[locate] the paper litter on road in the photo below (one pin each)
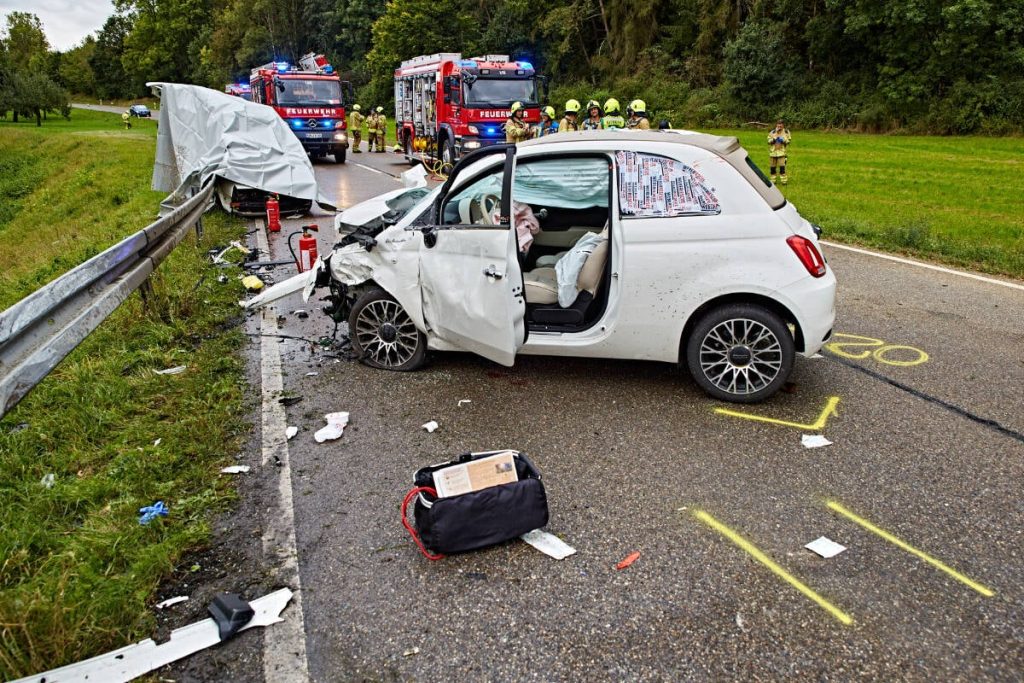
(825, 547)
(335, 427)
(132, 661)
(171, 601)
(235, 469)
(312, 374)
(176, 370)
(431, 426)
(549, 544)
(815, 441)
(464, 400)
(290, 431)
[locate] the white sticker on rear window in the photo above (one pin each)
(655, 186)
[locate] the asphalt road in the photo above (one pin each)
(108, 108)
(928, 447)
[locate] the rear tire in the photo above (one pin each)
(383, 334)
(407, 149)
(742, 353)
(339, 156)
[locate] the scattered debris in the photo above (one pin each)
(301, 313)
(816, 441)
(628, 560)
(549, 544)
(431, 426)
(741, 623)
(47, 481)
(817, 356)
(176, 370)
(289, 400)
(219, 258)
(150, 512)
(336, 423)
(223, 279)
(464, 400)
(235, 469)
(825, 547)
(171, 601)
(290, 431)
(252, 283)
(411, 651)
(157, 442)
(128, 663)
(18, 427)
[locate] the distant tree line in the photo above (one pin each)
(27, 87)
(943, 66)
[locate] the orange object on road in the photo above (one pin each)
(630, 559)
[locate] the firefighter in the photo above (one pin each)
(516, 129)
(570, 120)
(612, 118)
(382, 126)
(126, 118)
(371, 130)
(594, 114)
(548, 125)
(355, 127)
(778, 143)
(637, 113)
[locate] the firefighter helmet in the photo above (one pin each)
(355, 107)
(611, 106)
(516, 106)
(572, 107)
(380, 110)
(594, 104)
(549, 112)
(637, 107)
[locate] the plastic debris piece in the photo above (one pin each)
(628, 560)
(549, 544)
(825, 547)
(252, 283)
(290, 431)
(171, 601)
(222, 279)
(235, 469)
(312, 374)
(815, 441)
(231, 613)
(150, 512)
(411, 651)
(47, 481)
(464, 400)
(176, 370)
(157, 442)
(301, 313)
(336, 423)
(816, 356)
(431, 426)
(289, 400)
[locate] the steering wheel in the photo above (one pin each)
(487, 205)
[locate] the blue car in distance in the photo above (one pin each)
(140, 110)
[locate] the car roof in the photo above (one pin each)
(725, 146)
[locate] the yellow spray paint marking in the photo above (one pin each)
(987, 592)
(877, 349)
(817, 425)
(754, 552)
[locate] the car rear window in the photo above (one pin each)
(760, 174)
(653, 186)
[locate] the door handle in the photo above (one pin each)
(489, 271)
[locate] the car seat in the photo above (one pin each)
(541, 289)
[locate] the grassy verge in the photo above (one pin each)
(77, 568)
(951, 199)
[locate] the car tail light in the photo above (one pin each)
(808, 254)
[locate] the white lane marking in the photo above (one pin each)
(929, 266)
(284, 647)
(375, 170)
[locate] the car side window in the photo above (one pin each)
(478, 203)
(653, 186)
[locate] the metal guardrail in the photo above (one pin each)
(39, 331)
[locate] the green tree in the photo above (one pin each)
(109, 75)
(25, 41)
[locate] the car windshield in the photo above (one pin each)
(294, 91)
(495, 92)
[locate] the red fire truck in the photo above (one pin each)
(446, 106)
(310, 98)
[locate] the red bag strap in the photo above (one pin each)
(408, 527)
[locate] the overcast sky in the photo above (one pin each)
(66, 22)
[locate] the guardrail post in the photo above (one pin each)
(199, 222)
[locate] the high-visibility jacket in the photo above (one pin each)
(591, 124)
(639, 123)
(613, 122)
(778, 143)
(373, 124)
(382, 124)
(517, 130)
(355, 121)
(565, 125)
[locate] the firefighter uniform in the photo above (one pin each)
(778, 154)
(382, 126)
(571, 119)
(612, 118)
(516, 129)
(594, 114)
(637, 113)
(127, 119)
(355, 128)
(548, 125)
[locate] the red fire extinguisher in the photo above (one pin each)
(307, 248)
(273, 214)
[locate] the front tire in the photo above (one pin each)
(447, 156)
(741, 353)
(383, 334)
(339, 156)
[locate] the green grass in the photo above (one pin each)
(77, 570)
(952, 199)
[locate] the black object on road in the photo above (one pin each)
(231, 613)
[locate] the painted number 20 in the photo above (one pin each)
(890, 354)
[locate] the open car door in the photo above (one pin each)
(470, 277)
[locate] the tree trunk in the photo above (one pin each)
(39, 118)
(15, 115)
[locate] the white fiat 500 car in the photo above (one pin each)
(604, 244)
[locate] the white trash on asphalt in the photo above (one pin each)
(549, 544)
(336, 423)
(290, 431)
(235, 469)
(815, 441)
(431, 426)
(825, 547)
(464, 400)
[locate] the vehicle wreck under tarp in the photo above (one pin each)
(204, 134)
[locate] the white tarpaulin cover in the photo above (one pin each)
(205, 133)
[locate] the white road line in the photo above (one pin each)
(929, 266)
(284, 646)
(375, 170)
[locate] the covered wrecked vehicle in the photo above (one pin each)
(600, 244)
(245, 148)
